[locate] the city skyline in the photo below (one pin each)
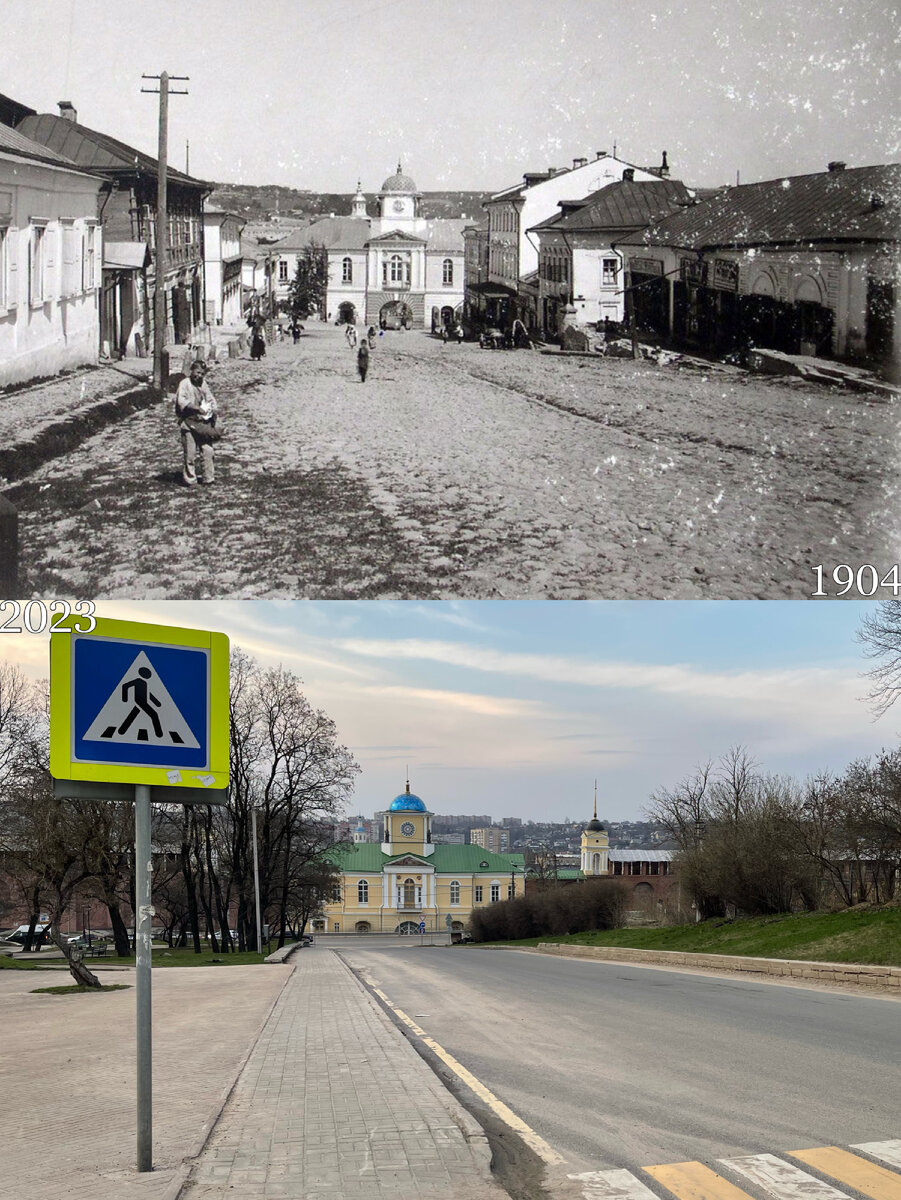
(765, 90)
(515, 708)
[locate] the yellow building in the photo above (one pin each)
(407, 881)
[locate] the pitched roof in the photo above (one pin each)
(445, 234)
(12, 141)
(855, 204)
(624, 205)
(463, 860)
(335, 233)
(94, 151)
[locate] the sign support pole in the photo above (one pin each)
(143, 919)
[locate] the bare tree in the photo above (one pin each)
(880, 636)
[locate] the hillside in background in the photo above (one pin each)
(261, 203)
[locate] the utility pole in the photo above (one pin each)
(162, 227)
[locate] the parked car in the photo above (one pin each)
(41, 935)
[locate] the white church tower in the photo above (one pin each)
(595, 843)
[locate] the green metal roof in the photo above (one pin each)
(447, 860)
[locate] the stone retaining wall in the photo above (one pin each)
(850, 974)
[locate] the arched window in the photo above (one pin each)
(396, 268)
(409, 893)
(363, 892)
(455, 891)
(595, 864)
(447, 272)
(347, 270)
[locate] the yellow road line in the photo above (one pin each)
(866, 1177)
(694, 1181)
(528, 1135)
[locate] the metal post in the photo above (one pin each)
(143, 917)
(162, 240)
(256, 881)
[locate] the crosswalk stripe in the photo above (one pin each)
(694, 1181)
(889, 1152)
(866, 1177)
(612, 1185)
(782, 1180)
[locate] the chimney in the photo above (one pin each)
(629, 175)
(836, 166)
(67, 110)
(579, 162)
(663, 169)
(600, 154)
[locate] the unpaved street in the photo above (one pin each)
(455, 471)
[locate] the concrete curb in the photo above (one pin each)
(848, 974)
(183, 1170)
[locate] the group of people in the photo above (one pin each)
(452, 331)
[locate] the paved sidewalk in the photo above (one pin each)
(67, 1076)
(334, 1103)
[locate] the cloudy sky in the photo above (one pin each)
(469, 95)
(514, 709)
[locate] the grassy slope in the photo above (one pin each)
(856, 935)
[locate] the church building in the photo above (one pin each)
(407, 884)
(398, 269)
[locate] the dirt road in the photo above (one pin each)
(455, 471)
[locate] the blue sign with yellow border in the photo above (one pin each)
(138, 703)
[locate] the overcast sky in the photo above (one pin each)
(471, 94)
(514, 708)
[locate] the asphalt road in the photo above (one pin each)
(619, 1066)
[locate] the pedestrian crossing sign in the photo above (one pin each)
(138, 703)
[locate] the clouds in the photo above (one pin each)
(804, 696)
(514, 708)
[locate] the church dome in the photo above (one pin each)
(399, 182)
(594, 826)
(407, 802)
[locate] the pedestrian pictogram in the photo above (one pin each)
(140, 709)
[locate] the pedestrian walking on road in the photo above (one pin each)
(371, 336)
(197, 410)
(363, 360)
(257, 337)
(350, 334)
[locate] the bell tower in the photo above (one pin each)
(358, 205)
(408, 826)
(595, 843)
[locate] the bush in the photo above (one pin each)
(570, 908)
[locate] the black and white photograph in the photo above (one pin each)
(407, 301)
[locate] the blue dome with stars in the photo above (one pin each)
(407, 802)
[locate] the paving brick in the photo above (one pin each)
(364, 1117)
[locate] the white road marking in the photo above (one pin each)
(612, 1185)
(782, 1180)
(888, 1152)
(545, 1152)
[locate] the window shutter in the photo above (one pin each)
(12, 267)
(69, 260)
(50, 290)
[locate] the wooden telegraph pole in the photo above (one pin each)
(162, 226)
